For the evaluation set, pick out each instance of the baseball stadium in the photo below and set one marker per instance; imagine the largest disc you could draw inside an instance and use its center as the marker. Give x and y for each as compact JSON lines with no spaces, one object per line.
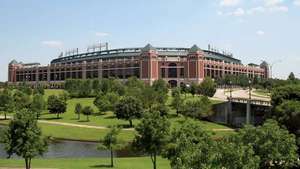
{"x":174,"y":65}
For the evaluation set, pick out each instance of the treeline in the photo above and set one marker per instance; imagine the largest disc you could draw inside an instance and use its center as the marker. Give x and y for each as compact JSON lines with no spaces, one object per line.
{"x":22,"y":96}
{"x":255,"y":82}
{"x":131,"y":99}
{"x":91,"y":88}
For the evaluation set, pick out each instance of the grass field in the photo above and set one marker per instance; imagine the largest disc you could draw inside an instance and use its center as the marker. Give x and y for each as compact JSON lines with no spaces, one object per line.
{"x":105,"y":119}
{"x":87,"y":163}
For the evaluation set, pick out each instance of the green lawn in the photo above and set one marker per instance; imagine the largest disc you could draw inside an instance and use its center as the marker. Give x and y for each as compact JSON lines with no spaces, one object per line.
{"x":77,"y":133}
{"x":88,"y":163}
{"x":106,"y":119}
{"x":103,"y":119}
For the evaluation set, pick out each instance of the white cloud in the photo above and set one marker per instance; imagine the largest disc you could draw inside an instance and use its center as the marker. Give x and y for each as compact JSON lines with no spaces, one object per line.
{"x":273,"y":2}
{"x":280,"y":8}
{"x":101,"y":34}
{"x":229,"y":2}
{"x":256,"y":10}
{"x":297,"y":2}
{"x":238,"y":12}
{"x":260,"y":33}
{"x":53,"y":43}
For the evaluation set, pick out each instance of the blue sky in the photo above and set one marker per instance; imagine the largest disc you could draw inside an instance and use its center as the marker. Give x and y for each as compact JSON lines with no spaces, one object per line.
{"x":35,"y":30}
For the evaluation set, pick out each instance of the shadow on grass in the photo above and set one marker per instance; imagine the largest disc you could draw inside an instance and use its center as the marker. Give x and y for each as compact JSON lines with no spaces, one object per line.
{"x":83,"y":121}
{"x":49,"y":118}
{"x":125,"y":126}
{"x":110,"y":117}
{"x":98,"y":114}
{"x":101,"y":166}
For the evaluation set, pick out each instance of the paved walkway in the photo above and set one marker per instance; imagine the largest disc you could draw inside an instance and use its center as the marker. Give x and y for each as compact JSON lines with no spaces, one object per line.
{"x":240,"y":93}
{"x":92,"y":127}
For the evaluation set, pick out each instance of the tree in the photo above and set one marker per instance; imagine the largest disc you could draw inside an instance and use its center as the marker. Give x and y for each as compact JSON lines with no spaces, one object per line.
{"x":207,"y":87}
{"x":106,"y":102}
{"x":87,"y":110}
{"x":292,"y":77}
{"x":129,"y":108}
{"x":160,"y":86}
{"x":6,"y":103}
{"x":78,"y":110}
{"x":152,"y":135}
{"x":38,"y":105}
{"x":23,"y":137}
{"x":56,"y":105}
{"x":190,"y":147}
{"x":39,"y":90}
{"x":177,"y":102}
{"x":198,"y":108}
{"x":235,"y":155}
{"x":161,"y":90}
{"x":110,"y":142}
{"x":193,"y":89}
{"x":274,"y":145}
{"x":162,"y":108}
{"x":21,"y":100}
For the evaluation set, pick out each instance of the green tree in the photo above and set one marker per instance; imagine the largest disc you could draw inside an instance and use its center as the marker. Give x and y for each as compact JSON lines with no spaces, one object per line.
{"x":152,"y":135}
{"x":193,"y":88}
{"x":23,"y":137}
{"x":38,"y":105}
{"x":292,"y":77}
{"x":56,"y":105}
{"x":162,"y":108}
{"x":274,"y":145}
{"x":207,"y":87}
{"x":190,"y":147}
{"x":110,"y":142}
{"x":177,"y":102}
{"x":6,"y":103}
{"x":199,"y":108}
{"x":106,"y":102}
{"x":160,"y":86}
{"x":39,"y":90}
{"x":21,"y":100}
{"x":78,"y":110}
{"x":235,"y":155}
{"x":87,"y":110}
{"x":128,"y":108}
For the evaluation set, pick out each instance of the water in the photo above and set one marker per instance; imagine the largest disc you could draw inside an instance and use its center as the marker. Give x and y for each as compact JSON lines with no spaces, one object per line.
{"x":74,"y":149}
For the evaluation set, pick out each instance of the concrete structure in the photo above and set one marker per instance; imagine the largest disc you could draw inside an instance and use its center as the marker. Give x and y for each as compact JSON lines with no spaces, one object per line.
{"x":174,"y":65}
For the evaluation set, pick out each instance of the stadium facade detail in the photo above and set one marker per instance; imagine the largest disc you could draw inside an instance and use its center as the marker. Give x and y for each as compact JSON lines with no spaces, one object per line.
{"x":174,"y":65}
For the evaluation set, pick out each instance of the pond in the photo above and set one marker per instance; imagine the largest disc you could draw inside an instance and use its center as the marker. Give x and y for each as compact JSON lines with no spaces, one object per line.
{"x":74,"y":149}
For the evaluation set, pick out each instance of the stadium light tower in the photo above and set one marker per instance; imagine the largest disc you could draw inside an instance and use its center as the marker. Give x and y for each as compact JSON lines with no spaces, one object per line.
{"x":271,"y":66}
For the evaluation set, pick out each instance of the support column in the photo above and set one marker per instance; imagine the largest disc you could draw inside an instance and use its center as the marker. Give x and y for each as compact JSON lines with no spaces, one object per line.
{"x":84,"y":70}
{"x":248,"y":112}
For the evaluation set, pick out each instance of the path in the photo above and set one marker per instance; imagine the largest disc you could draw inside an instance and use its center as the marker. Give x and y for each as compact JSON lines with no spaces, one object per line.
{"x":94,"y":127}
{"x":240,"y":93}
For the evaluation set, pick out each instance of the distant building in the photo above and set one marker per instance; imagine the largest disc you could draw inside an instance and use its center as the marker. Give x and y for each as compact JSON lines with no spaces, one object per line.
{"x":174,"y":65}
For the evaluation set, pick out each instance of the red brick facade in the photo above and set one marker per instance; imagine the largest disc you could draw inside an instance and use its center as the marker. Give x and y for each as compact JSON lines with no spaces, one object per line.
{"x":175,"y":65}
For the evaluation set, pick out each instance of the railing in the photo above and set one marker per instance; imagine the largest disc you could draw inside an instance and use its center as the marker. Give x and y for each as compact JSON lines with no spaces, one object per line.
{"x":252,"y":101}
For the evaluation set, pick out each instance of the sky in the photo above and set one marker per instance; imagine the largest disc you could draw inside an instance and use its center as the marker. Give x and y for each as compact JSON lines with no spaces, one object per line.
{"x":253,"y":30}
